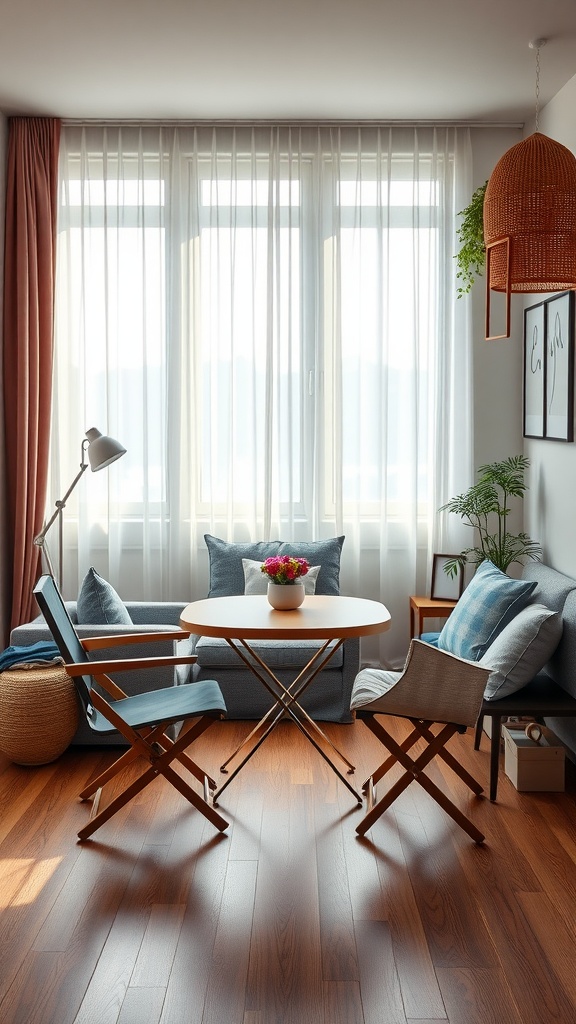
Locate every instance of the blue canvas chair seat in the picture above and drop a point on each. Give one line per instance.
(142, 719)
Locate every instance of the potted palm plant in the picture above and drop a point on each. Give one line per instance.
(485, 507)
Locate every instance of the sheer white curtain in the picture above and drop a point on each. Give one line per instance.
(266, 318)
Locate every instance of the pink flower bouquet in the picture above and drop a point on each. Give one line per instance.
(285, 569)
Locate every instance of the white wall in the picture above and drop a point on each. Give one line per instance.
(497, 365)
(550, 505)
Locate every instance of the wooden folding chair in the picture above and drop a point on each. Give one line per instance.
(440, 695)
(142, 719)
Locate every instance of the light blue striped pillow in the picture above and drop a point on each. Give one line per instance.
(489, 603)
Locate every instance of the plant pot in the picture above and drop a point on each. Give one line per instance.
(284, 596)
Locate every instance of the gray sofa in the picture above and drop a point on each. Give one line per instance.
(551, 695)
(147, 617)
(328, 697)
(558, 592)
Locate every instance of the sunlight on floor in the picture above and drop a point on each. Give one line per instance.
(25, 878)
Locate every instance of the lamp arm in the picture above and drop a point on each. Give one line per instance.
(61, 504)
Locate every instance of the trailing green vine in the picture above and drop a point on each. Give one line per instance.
(471, 256)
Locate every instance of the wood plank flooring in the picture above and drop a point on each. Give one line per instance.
(288, 918)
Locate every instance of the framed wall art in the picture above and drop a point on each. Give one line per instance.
(548, 391)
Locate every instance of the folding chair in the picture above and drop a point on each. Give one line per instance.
(434, 689)
(141, 719)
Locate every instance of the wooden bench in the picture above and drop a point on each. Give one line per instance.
(542, 698)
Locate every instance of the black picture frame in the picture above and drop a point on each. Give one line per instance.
(559, 386)
(548, 385)
(534, 395)
(444, 587)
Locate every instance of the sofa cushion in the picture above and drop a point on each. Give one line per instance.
(521, 650)
(489, 603)
(215, 652)
(227, 573)
(371, 683)
(256, 582)
(99, 603)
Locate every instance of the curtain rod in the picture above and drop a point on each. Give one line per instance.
(285, 123)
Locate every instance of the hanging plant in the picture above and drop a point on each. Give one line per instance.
(471, 257)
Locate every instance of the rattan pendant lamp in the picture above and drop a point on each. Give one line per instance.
(530, 218)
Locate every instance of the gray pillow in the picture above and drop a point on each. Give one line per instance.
(227, 573)
(98, 603)
(256, 582)
(489, 603)
(521, 650)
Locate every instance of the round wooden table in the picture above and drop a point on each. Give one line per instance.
(239, 620)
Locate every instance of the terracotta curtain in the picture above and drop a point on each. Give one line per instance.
(30, 237)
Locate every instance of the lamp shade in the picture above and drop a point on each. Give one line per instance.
(530, 218)
(102, 450)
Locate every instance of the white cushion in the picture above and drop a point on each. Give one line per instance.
(371, 683)
(256, 582)
(521, 650)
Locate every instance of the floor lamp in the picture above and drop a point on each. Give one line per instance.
(102, 451)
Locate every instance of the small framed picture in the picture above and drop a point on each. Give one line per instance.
(445, 587)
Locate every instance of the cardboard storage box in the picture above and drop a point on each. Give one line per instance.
(533, 766)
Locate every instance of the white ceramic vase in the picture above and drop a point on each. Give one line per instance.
(284, 596)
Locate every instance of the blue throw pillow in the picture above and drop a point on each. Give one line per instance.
(489, 603)
(227, 571)
(99, 604)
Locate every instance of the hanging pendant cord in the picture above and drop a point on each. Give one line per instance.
(537, 86)
(535, 45)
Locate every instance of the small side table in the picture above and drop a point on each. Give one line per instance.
(427, 608)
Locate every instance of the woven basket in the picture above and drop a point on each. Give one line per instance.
(38, 714)
(531, 199)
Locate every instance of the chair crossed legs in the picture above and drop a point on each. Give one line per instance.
(440, 695)
(142, 719)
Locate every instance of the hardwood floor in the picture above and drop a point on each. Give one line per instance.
(288, 918)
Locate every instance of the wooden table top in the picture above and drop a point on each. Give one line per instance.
(318, 618)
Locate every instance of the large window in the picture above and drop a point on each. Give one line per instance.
(265, 317)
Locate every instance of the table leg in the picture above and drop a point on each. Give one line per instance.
(495, 754)
(288, 696)
(309, 736)
(286, 702)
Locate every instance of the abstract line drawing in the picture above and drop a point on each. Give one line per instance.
(535, 359)
(556, 342)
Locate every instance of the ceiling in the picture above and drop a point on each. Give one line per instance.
(283, 59)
